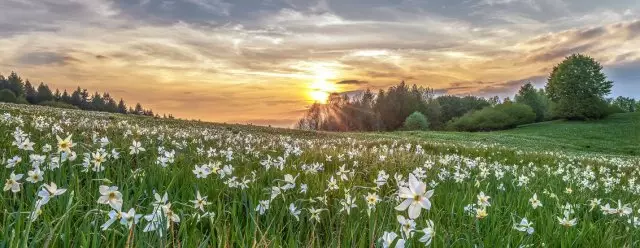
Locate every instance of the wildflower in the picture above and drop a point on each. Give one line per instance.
(64, 145)
(332, 184)
(303, 188)
(408, 225)
(50, 191)
(130, 218)
(389, 237)
(416, 197)
(136, 148)
(566, 222)
(428, 231)
(12, 162)
(593, 203)
(483, 200)
(524, 226)
(113, 217)
(481, 213)
(200, 202)
(262, 207)
(111, 196)
(315, 214)
(34, 176)
(347, 204)
(290, 182)
(294, 211)
(535, 203)
(12, 183)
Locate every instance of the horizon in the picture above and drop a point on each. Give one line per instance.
(264, 63)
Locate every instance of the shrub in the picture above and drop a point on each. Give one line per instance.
(521, 113)
(502, 116)
(416, 121)
(7, 95)
(58, 105)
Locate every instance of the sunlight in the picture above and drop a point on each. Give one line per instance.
(321, 87)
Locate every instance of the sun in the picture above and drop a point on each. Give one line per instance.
(321, 87)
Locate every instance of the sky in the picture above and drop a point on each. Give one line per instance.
(265, 61)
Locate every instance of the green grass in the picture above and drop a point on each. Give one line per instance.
(453, 166)
(619, 134)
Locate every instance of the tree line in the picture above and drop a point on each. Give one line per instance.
(14, 90)
(576, 90)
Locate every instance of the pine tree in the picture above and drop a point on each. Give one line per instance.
(44, 94)
(30, 93)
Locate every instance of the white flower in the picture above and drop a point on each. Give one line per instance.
(64, 145)
(12, 162)
(566, 222)
(113, 217)
(34, 176)
(136, 148)
(524, 226)
(110, 196)
(12, 183)
(408, 225)
(130, 218)
(315, 214)
(200, 202)
(294, 211)
(416, 197)
(262, 207)
(535, 203)
(483, 200)
(428, 231)
(50, 191)
(389, 237)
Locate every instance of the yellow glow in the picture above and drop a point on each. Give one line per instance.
(321, 87)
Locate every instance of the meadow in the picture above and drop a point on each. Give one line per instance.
(88, 179)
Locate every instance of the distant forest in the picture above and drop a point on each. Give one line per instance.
(14, 90)
(576, 90)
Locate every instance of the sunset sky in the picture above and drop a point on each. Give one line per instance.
(265, 61)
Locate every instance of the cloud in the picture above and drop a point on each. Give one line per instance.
(45, 58)
(352, 82)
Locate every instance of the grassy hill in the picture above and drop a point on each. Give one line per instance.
(617, 135)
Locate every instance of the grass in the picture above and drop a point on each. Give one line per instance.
(456, 169)
(617, 135)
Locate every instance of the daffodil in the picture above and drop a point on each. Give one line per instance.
(110, 196)
(64, 145)
(13, 183)
(416, 197)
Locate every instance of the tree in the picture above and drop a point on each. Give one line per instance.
(529, 96)
(578, 86)
(44, 93)
(139, 110)
(30, 92)
(7, 95)
(416, 121)
(627, 104)
(122, 107)
(14, 83)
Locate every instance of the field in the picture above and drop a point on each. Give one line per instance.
(87, 179)
(617, 135)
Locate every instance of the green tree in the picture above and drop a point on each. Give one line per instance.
(122, 107)
(44, 93)
(7, 95)
(14, 83)
(578, 86)
(627, 104)
(529, 96)
(416, 121)
(30, 93)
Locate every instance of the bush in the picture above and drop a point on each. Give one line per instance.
(57, 105)
(500, 117)
(7, 95)
(416, 121)
(521, 113)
